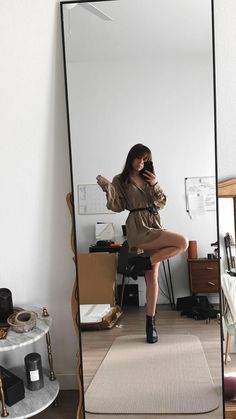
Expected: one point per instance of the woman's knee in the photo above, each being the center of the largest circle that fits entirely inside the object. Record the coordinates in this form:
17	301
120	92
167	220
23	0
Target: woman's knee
181	242
155	269
184	242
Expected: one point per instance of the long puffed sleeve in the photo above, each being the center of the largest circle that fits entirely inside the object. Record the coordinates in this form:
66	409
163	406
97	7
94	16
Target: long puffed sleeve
115	196
159	197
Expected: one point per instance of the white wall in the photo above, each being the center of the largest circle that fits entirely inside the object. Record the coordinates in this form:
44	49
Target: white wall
36	260
168	105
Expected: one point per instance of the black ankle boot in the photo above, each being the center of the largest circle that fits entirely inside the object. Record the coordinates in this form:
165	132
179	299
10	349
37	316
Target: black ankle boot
138	264
151	329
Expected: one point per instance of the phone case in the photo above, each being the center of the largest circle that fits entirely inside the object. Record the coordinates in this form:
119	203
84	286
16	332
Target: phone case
148	165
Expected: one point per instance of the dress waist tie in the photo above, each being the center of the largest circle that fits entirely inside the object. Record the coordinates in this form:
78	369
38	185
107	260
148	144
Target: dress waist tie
151	209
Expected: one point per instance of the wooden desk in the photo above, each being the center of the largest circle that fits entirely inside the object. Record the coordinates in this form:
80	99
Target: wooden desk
203	275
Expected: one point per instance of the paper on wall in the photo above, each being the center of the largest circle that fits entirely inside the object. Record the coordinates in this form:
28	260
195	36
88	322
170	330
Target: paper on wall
200	195
92	200
196	204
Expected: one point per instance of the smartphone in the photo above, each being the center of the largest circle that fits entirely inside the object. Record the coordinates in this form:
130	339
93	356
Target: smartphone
148	165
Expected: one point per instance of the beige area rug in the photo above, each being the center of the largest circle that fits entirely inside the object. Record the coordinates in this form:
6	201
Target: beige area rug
171	376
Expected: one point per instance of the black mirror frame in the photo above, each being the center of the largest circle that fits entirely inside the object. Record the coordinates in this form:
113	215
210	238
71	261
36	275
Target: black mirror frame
81	409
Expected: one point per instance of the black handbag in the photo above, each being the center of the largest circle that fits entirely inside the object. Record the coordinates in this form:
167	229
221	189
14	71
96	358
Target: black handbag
196	307
187	303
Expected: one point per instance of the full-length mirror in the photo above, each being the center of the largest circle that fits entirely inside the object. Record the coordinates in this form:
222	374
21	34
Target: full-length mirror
141	71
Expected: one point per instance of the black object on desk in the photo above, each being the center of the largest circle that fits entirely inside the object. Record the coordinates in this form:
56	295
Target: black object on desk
102	243
109	249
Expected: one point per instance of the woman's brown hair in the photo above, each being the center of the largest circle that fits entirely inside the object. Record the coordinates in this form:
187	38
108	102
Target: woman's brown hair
137	151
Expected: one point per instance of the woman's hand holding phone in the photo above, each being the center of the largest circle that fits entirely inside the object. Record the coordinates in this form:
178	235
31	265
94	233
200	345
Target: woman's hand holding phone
148	174
150	178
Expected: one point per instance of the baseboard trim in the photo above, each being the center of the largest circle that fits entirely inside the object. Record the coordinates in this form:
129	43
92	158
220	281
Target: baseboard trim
67	381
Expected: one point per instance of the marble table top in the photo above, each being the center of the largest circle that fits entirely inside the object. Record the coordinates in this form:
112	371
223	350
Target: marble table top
34	401
15	340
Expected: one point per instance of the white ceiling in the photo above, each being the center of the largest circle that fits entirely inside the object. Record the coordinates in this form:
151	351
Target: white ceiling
140	29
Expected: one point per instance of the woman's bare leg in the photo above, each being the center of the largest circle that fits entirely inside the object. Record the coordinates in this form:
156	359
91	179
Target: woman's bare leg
151	298
165	246
152	289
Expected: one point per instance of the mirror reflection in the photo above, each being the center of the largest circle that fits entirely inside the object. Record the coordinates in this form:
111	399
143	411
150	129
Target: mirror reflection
142	73
227	225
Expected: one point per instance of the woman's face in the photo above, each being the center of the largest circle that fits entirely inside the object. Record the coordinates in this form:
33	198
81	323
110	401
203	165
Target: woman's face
138	162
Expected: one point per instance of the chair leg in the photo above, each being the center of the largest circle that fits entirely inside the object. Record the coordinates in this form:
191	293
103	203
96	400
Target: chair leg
227	348
122	291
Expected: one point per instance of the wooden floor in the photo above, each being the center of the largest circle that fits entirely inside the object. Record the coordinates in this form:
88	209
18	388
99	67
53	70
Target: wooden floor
96	344
66	408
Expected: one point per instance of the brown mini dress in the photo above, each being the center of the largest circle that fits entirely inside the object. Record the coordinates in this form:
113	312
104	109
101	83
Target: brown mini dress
141	226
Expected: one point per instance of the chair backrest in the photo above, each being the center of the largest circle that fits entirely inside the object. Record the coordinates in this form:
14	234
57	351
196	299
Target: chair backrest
228	243
123	258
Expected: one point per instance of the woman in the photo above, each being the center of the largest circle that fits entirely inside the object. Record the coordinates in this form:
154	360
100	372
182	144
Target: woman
143	197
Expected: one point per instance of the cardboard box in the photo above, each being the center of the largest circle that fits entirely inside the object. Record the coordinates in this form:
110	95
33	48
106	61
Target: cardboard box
97	278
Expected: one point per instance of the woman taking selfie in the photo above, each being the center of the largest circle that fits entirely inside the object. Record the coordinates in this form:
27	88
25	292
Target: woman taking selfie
137	190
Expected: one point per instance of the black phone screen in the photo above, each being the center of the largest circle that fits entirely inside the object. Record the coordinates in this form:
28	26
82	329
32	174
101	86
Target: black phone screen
148	165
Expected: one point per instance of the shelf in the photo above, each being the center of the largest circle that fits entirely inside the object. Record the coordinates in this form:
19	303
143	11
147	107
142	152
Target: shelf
16	340
34	401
